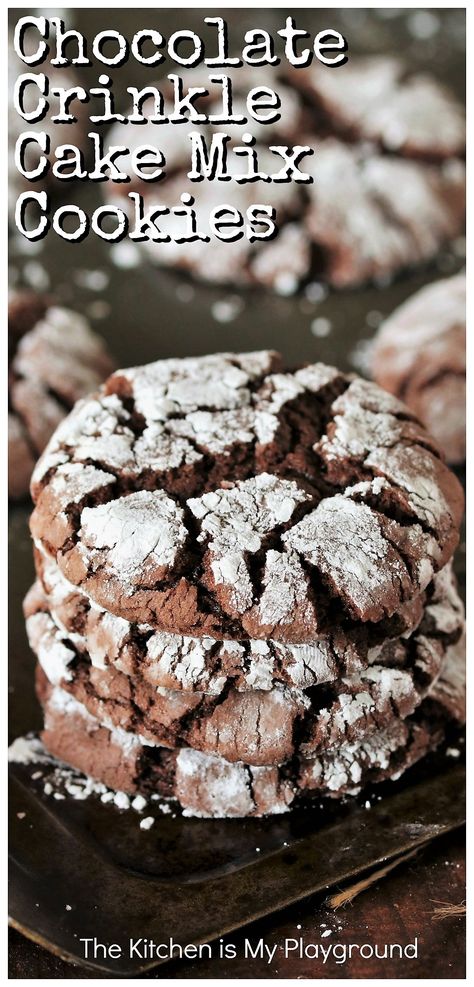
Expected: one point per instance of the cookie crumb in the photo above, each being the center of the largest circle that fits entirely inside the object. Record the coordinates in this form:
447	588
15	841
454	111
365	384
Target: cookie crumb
36	276
423	24
321	327
99	309
121	800
286	283
185	292
139	803
373	319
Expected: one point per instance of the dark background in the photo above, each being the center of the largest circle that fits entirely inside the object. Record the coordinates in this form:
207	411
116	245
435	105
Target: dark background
147	318
146	313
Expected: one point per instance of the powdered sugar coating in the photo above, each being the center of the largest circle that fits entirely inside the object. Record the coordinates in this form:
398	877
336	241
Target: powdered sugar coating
45	353
420	352
216	431
374	99
365	229
141	535
267	498
222	789
233	523
366	577
55	359
285	595
217	382
53	653
207	665
259	727
381	199
208	786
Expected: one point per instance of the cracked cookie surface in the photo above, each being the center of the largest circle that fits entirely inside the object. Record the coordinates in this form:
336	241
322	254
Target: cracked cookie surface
207	665
259	727
210	786
332	506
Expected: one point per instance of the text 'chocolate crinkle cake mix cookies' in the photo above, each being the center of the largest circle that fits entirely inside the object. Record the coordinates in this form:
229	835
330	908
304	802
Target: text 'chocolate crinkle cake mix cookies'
54	359
387	169
244	592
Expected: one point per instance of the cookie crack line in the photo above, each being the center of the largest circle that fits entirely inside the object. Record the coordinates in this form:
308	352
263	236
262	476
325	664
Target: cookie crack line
258	727
344	652
330	486
206	785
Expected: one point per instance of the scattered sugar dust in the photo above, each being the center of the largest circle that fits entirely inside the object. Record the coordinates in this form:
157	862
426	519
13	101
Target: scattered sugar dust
321	327
59	781
227	309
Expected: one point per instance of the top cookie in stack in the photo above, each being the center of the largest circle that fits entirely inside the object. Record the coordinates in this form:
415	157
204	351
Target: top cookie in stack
224	509
220	495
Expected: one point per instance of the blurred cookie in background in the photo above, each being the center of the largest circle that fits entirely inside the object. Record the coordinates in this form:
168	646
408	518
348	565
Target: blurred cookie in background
419	355
387	189
378	99
54	359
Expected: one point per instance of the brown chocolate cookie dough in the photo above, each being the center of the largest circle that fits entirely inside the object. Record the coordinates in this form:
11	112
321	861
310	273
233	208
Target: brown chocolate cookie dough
260	727
388	185
419	354
209	786
175	662
54	359
223	496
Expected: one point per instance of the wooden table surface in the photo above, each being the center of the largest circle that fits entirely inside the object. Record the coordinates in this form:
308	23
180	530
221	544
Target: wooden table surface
397	909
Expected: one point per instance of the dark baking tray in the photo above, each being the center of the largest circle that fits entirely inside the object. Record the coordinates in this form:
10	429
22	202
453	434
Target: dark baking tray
195	879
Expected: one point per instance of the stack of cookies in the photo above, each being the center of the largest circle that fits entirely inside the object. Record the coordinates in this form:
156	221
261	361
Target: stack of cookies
244	593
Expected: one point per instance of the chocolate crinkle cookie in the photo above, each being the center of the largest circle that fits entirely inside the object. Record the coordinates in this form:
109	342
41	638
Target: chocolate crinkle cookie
54	359
388	174
204	664
419	354
225	496
260	726
209	786
244	593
